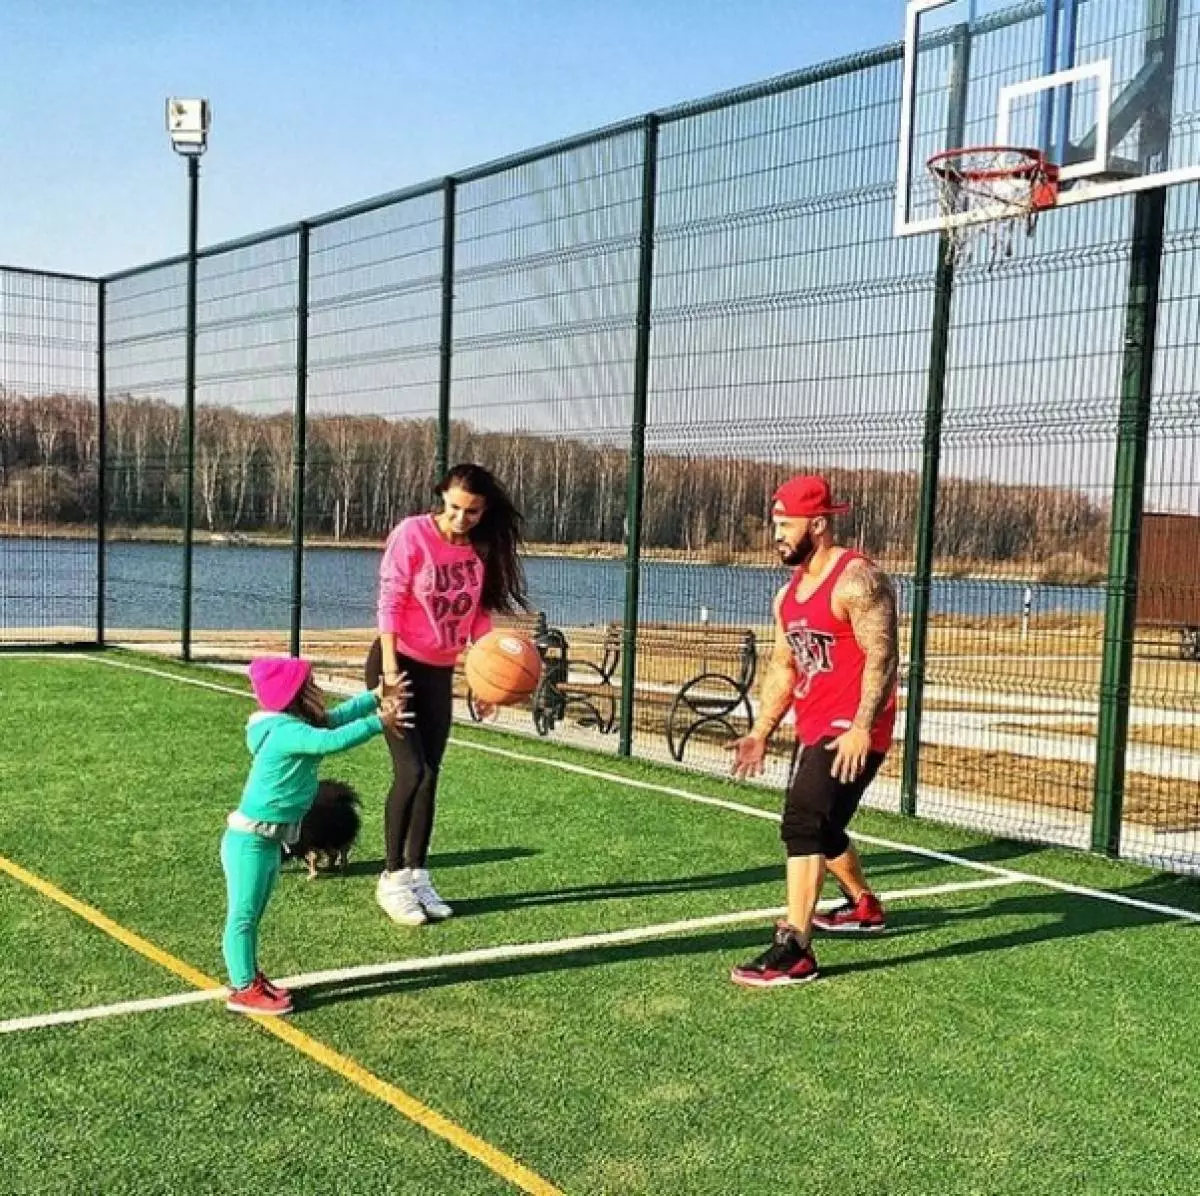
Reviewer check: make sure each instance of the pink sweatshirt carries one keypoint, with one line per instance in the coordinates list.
(429, 593)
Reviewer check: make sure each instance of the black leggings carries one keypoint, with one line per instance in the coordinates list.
(416, 757)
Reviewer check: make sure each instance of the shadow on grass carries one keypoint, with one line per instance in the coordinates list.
(880, 864)
(448, 859)
(1056, 915)
(1046, 917)
(746, 877)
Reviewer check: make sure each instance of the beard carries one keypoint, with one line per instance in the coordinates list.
(800, 553)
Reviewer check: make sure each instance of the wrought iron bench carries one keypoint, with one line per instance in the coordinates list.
(579, 678)
(530, 625)
(714, 699)
(573, 685)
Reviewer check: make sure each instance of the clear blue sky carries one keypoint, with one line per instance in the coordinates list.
(317, 105)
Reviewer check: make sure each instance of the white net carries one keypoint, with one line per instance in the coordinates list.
(996, 189)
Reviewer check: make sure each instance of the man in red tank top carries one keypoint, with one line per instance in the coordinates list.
(834, 663)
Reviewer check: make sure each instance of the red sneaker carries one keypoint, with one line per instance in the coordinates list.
(255, 998)
(276, 990)
(864, 916)
(786, 961)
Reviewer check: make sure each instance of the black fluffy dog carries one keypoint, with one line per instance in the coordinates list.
(329, 829)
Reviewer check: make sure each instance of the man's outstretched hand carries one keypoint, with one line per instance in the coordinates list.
(748, 755)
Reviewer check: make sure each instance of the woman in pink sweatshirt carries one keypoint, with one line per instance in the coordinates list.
(441, 577)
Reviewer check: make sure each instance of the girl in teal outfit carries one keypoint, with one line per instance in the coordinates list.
(287, 739)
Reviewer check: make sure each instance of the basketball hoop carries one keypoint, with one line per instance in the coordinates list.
(995, 187)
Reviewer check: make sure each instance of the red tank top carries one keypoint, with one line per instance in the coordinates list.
(829, 663)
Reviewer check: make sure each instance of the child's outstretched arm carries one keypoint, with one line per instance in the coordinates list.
(359, 706)
(300, 739)
(391, 699)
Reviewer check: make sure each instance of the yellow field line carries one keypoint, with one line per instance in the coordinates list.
(89, 913)
(495, 1160)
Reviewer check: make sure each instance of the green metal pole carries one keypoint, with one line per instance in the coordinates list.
(101, 462)
(189, 408)
(927, 514)
(1129, 476)
(299, 438)
(637, 448)
(446, 341)
(1133, 432)
(931, 460)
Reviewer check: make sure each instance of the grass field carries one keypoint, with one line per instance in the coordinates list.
(1034, 1036)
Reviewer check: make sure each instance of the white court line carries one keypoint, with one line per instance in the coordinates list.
(68, 1017)
(138, 668)
(945, 857)
(583, 942)
(458, 959)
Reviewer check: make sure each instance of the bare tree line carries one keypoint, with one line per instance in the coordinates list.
(365, 472)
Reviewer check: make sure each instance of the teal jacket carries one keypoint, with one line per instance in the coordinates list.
(283, 776)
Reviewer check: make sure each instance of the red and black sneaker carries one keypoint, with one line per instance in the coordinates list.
(255, 998)
(276, 990)
(864, 916)
(786, 961)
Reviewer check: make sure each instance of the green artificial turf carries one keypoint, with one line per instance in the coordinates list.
(1009, 1040)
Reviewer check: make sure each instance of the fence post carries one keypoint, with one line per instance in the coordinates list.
(299, 438)
(1129, 476)
(101, 462)
(446, 339)
(189, 408)
(931, 456)
(637, 445)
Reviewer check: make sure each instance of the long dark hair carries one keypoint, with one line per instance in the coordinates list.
(496, 537)
(307, 708)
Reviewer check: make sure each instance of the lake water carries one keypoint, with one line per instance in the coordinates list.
(53, 582)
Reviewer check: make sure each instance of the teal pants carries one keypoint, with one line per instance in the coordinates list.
(251, 865)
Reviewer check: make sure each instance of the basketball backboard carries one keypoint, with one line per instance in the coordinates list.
(1109, 90)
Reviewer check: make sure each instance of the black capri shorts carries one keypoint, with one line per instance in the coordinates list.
(819, 806)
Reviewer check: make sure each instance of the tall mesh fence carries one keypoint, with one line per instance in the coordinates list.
(49, 459)
(519, 315)
(1162, 814)
(246, 312)
(145, 323)
(374, 310)
(1008, 731)
(791, 334)
(545, 283)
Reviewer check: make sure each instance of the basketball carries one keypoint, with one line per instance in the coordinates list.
(502, 667)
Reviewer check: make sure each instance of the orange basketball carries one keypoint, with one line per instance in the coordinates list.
(502, 667)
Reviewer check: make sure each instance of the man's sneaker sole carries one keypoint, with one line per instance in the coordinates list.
(850, 929)
(773, 982)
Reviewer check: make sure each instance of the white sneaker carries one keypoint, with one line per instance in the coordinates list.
(427, 895)
(396, 898)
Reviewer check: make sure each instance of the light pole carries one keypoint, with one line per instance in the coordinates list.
(187, 126)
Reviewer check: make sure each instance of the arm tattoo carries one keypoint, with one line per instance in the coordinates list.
(778, 684)
(870, 602)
